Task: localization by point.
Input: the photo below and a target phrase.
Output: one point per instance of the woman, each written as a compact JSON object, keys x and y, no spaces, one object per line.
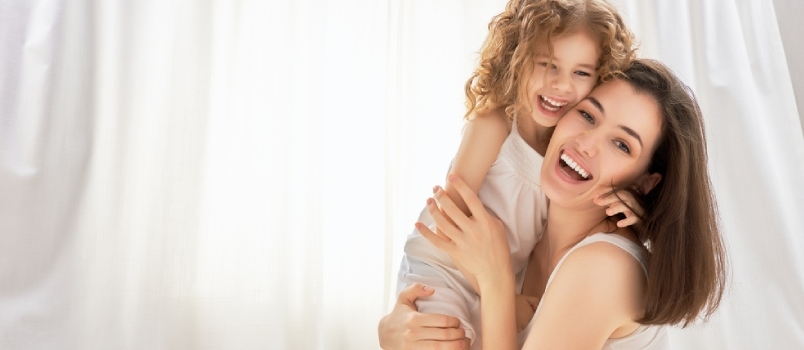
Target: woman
{"x":598,"y":285}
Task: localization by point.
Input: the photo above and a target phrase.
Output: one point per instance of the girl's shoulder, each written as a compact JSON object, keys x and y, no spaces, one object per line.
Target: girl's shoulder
{"x":494,"y":121}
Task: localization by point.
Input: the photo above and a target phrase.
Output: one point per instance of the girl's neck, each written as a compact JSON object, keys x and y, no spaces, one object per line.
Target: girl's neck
{"x":535,"y":135}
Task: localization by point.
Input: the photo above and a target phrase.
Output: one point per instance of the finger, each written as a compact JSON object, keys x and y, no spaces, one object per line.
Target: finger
{"x":533,"y":302}
{"x":443,"y":224}
{"x":606,"y":199}
{"x":440,"y":345}
{"x":412,"y":292}
{"x":441,"y":242}
{"x":628,"y":221}
{"x":436,"y":320}
{"x":440,"y":334}
{"x":469,"y":197}
{"x":619,"y":207}
{"x":620,"y":197}
{"x":443,"y":235}
{"x":450,"y":209}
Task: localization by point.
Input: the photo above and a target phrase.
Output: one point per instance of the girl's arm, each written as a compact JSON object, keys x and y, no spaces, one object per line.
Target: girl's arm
{"x":482,"y":139}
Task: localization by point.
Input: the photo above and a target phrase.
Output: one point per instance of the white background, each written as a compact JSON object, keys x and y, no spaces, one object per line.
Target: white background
{"x":242,"y":174}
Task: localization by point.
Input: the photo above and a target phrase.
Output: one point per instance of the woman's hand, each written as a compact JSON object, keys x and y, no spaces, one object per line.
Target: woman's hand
{"x":406,"y":328}
{"x":477,"y":243}
{"x":621,"y":202}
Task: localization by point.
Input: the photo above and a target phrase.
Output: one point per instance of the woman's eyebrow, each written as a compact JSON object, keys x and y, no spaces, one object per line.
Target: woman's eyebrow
{"x":631,"y":132}
{"x":597,"y":104}
{"x":628,"y":130}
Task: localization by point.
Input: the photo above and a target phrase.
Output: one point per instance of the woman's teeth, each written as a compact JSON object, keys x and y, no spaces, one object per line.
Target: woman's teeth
{"x":574,"y":166}
{"x":550,"y":104}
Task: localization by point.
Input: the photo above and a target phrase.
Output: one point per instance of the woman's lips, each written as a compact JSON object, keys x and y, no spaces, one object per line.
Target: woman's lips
{"x":569,"y":169}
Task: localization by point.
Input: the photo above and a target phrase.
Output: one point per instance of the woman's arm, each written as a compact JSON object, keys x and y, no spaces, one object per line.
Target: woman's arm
{"x":498,"y":310}
{"x":479,"y":244}
{"x":406,"y":328}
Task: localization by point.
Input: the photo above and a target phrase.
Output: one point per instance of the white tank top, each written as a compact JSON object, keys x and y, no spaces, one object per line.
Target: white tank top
{"x":645,"y":336}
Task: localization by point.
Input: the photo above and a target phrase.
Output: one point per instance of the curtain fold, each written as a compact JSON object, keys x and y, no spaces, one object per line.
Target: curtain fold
{"x":242,"y":174}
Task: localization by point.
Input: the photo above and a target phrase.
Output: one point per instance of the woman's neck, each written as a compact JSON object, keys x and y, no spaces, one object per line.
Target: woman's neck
{"x":566,"y":227}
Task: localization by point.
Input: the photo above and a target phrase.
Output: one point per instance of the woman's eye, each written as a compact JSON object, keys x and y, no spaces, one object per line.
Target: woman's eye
{"x":543,"y":64}
{"x":587,"y":116}
{"x":623,"y":146}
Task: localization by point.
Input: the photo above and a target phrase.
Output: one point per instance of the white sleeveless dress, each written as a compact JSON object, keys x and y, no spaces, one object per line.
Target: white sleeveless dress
{"x":511,"y":191}
{"x":645,"y":336}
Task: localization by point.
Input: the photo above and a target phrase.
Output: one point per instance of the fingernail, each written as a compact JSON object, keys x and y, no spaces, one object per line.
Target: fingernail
{"x":435,"y":188}
{"x":452,"y":177}
{"x":427,"y":289}
{"x":429,"y":201}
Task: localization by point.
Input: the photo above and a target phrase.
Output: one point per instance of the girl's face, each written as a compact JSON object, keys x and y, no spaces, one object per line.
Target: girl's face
{"x":607,"y":140}
{"x":556,"y":85}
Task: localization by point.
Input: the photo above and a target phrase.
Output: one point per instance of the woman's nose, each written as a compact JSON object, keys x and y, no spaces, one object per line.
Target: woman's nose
{"x":587,"y":143}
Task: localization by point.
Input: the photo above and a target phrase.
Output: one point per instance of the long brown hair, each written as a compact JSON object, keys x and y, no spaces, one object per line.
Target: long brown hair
{"x":506,"y":57}
{"x":687,"y":261}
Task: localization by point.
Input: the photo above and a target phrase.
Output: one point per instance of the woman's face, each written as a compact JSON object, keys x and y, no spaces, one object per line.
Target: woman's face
{"x":606,"y":140}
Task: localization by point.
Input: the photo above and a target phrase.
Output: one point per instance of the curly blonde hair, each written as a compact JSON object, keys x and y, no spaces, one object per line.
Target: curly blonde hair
{"x":506,"y":57}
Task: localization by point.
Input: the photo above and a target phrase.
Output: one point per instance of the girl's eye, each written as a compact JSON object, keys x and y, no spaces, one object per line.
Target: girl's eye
{"x":583,"y":74}
{"x":623,"y":146}
{"x":587,"y":116}
{"x":543,"y":64}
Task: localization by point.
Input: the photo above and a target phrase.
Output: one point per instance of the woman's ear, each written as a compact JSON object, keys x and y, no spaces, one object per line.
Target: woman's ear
{"x":648,"y":182}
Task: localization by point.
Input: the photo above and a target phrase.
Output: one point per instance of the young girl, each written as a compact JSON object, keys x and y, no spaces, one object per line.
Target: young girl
{"x":540,"y":58}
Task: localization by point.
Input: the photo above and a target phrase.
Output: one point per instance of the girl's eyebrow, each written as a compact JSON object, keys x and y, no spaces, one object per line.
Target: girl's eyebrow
{"x":556,"y":59}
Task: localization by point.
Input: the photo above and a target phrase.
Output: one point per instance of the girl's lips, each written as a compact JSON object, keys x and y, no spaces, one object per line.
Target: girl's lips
{"x":550,"y":113}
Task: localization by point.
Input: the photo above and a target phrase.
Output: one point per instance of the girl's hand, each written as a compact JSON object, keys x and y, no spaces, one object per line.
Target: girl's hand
{"x":406,"y":328}
{"x":525,"y":308}
{"x":477,"y":243}
{"x":621,"y":206}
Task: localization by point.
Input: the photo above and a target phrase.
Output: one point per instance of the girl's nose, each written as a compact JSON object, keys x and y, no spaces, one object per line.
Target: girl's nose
{"x":561,"y":82}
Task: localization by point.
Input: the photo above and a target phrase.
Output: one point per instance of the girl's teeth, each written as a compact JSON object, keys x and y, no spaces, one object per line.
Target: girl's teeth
{"x":551,"y":104}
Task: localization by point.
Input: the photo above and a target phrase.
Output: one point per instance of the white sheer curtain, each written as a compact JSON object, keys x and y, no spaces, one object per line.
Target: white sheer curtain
{"x":241,"y":174}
